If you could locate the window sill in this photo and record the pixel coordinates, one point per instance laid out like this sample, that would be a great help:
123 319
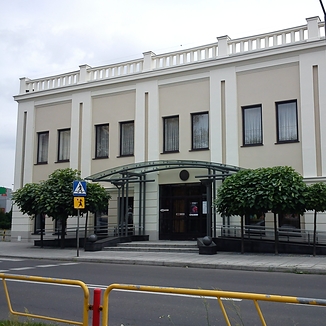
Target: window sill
170 152
198 149
100 158
41 163
63 161
129 155
286 142
252 145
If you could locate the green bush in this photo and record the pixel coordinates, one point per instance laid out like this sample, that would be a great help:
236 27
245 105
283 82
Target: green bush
5 221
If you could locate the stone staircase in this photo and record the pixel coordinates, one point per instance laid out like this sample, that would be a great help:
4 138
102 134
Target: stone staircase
156 246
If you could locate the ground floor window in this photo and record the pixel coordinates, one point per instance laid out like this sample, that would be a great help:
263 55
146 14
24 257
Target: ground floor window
291 221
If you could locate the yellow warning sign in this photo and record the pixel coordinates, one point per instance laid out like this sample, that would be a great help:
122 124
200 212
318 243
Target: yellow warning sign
79 202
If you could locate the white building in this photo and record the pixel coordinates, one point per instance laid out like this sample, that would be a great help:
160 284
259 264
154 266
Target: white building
165 122
5 200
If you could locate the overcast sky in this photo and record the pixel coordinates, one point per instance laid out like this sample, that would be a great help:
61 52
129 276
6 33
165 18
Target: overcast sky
41 38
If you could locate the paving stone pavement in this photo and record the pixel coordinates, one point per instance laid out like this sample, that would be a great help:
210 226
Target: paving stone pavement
222 260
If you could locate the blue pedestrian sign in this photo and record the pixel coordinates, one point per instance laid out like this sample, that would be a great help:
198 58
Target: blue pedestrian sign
79 188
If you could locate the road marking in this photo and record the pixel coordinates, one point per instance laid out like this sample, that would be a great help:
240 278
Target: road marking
20 268
10 259
68 264
43 266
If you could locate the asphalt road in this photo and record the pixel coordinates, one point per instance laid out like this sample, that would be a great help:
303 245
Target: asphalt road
128 308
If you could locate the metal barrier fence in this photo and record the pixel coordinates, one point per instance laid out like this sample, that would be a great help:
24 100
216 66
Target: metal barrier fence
86 306
284 233
97 308
209 293
5 235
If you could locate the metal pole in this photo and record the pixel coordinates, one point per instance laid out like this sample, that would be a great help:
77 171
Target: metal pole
96 307
77 235
324 11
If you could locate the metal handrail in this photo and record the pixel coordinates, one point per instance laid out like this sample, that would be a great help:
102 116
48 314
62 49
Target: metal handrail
81 284
254 231
209 293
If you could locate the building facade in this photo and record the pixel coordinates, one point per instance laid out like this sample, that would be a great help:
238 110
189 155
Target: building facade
168 123
5 200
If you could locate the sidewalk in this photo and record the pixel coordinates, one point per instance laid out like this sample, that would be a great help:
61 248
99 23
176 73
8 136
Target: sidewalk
231 261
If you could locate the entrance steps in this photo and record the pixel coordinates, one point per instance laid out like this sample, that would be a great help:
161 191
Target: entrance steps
156 246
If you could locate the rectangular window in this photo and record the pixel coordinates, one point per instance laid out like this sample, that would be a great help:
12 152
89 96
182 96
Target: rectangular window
287 121
64 145
171 134
252 125
102 141
126 138
42 147
200 134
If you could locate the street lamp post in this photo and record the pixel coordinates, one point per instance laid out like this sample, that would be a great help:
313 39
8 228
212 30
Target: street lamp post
324 11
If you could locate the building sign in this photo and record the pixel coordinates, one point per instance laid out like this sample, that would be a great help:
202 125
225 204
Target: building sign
79 188
79 202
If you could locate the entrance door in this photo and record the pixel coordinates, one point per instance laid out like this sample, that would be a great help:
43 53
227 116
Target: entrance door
182 216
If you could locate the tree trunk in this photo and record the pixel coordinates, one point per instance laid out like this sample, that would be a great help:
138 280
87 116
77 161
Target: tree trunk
242 235
275 235
315 224
42 228
63 232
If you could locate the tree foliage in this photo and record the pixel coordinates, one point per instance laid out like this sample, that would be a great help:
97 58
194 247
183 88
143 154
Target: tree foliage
58 198
277 189
29 199
316 201
5 220
316 197
54 197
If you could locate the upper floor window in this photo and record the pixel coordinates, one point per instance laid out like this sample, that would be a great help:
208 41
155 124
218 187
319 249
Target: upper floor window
63 145
102 141
171 134
42 147
252 125
126 138
287 121
200 134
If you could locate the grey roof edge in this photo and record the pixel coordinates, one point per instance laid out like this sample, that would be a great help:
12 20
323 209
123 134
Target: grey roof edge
159 165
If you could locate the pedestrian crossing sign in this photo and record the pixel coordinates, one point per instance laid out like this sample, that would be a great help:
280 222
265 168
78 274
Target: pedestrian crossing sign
79 188
79 202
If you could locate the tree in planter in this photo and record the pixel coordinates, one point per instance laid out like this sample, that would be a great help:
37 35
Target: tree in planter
316 201
236 196
54 197
58 197
30 201
278 189
281 190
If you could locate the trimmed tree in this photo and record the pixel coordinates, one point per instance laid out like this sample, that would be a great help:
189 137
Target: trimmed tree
236 196
54 197
29 200
278 189
58 197
281 190
316 201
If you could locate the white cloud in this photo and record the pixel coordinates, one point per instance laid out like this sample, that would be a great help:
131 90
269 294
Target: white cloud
40 38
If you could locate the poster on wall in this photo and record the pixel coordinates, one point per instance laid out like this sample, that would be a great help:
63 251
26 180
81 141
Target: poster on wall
193 208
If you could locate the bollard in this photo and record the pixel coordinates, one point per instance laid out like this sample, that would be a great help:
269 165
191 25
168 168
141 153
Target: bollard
96 307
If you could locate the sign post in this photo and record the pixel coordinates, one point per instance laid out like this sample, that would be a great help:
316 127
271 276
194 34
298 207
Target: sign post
79 193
